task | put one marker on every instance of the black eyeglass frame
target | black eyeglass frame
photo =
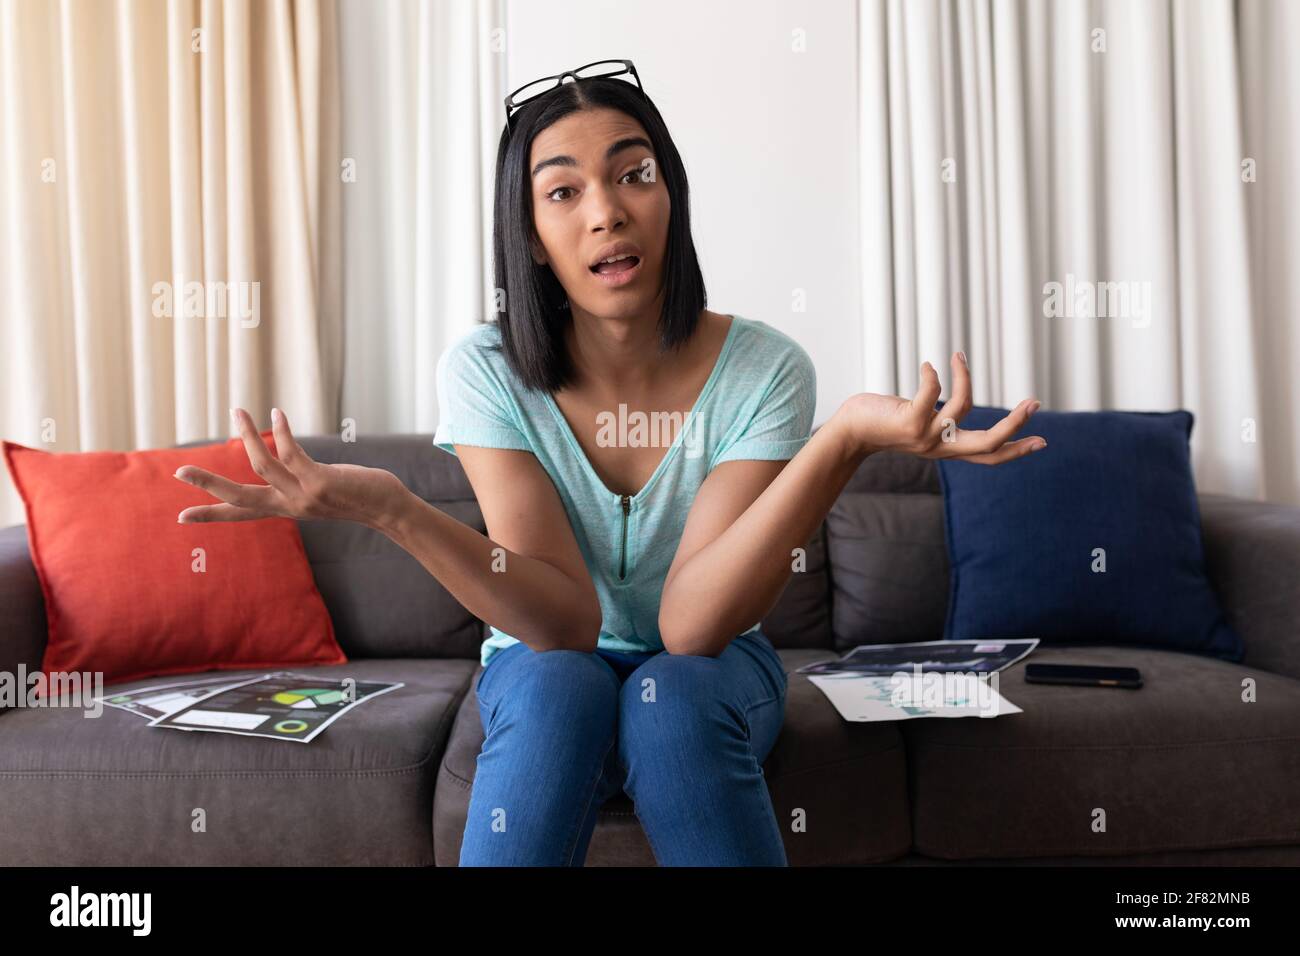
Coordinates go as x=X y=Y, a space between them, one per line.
x=512 y=106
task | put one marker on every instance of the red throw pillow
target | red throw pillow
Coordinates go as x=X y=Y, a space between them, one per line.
x=129 y=592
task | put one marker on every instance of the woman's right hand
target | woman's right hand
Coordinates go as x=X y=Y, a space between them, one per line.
x=297 y=486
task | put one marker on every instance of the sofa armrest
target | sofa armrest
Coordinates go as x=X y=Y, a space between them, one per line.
x=22 y=606
x=1252 y=556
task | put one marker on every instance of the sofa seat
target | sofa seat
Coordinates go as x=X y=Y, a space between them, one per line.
x=847 y=783
x=1181 y=764
x=111 y=790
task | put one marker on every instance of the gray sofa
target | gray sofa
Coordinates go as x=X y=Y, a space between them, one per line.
x=1186 y=772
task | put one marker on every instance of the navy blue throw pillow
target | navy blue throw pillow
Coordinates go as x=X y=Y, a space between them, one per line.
x=1096 y=539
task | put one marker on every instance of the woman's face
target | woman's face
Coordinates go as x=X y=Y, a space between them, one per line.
x=598 y=184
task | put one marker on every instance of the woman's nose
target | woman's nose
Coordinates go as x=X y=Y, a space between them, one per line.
x=607 y=209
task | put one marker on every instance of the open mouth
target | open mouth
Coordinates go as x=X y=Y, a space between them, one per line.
x=617 y=273
x=614 y=268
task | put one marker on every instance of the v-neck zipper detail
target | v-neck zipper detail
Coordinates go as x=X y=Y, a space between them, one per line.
x=622 y=501
x=622 y=556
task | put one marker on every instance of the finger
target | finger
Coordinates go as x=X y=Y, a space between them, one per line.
x=1012 y=449
x=287 y=448
x=264 y=463
x=977 y=441
x=927 y=394
x=243 y=496
x=223 y=512
x=959 y=403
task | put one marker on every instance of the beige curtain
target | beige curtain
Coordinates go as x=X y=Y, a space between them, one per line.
x=169 y=236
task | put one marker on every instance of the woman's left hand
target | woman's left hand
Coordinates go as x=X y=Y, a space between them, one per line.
x=873 y=423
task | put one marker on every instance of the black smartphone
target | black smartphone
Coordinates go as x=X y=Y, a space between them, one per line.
x=1088 y=675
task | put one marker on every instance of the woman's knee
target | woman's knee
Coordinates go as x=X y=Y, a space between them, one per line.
x=683 y=698
x=568 y=687
x=673 y=696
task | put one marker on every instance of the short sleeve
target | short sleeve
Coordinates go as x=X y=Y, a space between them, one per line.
x=473 y=406
x=782 y=422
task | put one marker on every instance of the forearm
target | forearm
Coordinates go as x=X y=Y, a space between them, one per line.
x=524 y=597
x=733 y=582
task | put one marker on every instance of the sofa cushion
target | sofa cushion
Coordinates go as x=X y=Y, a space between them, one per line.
x=847 y=783
x=130 y=593
x=1097 y=538
x=1182 y=763
x=111 y=790
x=801 y=617
x=889 y=568
x=1252 y=555
x=22 y=607
x=384 y=603
x=894 y=472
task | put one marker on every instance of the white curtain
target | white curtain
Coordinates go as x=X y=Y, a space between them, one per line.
x=1147 y=143
x=421 y=115
x=168 y=220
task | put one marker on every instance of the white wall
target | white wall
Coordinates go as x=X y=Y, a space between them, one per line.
x=769 y=138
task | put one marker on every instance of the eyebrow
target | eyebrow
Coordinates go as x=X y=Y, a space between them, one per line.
x=616 y=147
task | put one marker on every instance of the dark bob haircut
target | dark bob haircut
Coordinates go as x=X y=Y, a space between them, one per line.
x=536 y=309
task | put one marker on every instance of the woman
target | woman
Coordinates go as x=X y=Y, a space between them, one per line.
x=621 y=576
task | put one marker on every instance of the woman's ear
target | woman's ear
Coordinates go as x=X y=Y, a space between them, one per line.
x=538 y=252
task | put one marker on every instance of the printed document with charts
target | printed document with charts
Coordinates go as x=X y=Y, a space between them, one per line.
x=281 y=705
x=924 y=679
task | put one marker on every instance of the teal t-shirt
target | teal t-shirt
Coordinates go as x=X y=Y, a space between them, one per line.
x=758 y=403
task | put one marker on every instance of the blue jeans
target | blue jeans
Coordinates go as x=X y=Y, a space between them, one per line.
x=685 y=738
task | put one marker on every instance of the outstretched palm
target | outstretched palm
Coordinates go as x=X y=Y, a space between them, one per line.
x=297 y=486
x=887 y=422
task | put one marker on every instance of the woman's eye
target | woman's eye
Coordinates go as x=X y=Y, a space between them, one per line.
x=636 y=172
